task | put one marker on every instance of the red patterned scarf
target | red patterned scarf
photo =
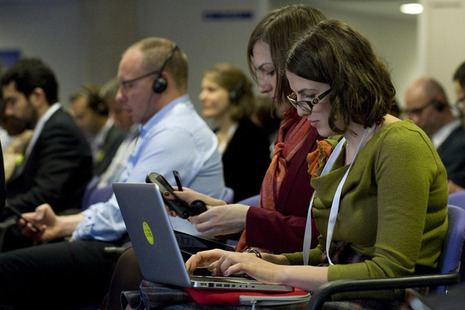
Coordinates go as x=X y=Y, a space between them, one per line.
x=291 y=136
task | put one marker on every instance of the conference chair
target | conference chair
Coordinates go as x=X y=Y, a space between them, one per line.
x=448 y=269
x=457 y=199
x=228 y=195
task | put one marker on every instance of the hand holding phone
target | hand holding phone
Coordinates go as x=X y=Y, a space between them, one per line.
x=177 y=205
x=177 y=177
x=20 y=215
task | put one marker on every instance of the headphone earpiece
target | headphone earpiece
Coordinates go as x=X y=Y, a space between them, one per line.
x=160 y=83
x=438 y=105
x=236 y=92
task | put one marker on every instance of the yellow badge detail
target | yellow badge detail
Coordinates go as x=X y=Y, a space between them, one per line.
x=148 y=232
x=19 y=159
x=100 y=156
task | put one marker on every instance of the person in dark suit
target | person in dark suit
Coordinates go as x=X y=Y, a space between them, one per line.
x=57 y=163
x=428 y=107
x=227 y=98
x=92 y=115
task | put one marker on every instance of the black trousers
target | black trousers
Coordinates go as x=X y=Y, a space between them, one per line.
x=62 y=275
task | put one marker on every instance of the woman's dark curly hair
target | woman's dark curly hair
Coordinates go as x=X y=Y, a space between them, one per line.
x=334 y=53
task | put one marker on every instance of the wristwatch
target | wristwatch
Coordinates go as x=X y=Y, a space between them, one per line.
x=252 y=250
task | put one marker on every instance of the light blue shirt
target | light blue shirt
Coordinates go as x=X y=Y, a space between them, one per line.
x=175 y=138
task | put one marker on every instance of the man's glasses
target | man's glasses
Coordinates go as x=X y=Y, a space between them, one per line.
x=306 y=105
x=125 y=85
x=418 y=111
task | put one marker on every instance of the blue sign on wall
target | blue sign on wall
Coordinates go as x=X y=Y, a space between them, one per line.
x=227 y=15
x=8 y=57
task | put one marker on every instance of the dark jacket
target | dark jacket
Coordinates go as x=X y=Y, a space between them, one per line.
x=55 y=172
x=111 y=144
x=246 y=160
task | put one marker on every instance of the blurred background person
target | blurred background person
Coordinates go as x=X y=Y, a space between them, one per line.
x=428 y=107
x=91 y=114
x=227 y=98
x=99 y=188
x=57 y=162
x=459 y=90
x=125 y=122
x=15 y=138
x=459 y=87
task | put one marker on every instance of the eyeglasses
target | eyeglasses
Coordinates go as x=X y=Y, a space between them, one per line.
x=418 y=111
x=306 y=105
x=126 y=84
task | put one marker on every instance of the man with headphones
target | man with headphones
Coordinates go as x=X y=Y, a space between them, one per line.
x=428 y=107
x=91 y=114
x=172 y=136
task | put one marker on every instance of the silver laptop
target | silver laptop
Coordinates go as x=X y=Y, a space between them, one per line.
x=156 y=246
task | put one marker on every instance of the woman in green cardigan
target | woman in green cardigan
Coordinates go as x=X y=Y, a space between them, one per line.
x=380 y=200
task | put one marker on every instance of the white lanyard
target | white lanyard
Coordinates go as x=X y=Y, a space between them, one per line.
x=229 y=134
x=336 y=198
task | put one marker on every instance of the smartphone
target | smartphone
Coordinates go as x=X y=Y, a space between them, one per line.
x=177 y=177
x=20 y=215
x=177 y=205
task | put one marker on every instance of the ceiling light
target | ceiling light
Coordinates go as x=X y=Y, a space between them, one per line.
x=411 y=8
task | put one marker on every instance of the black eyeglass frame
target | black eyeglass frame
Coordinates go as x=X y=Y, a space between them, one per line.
x=307 y=105
x=419 y=111
x=124 y=84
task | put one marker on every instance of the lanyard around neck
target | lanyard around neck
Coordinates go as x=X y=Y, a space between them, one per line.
x=224 y=143
x=336 y=199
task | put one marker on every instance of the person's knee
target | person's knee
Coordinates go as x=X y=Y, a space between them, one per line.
x=128 y=266
x=126 y=277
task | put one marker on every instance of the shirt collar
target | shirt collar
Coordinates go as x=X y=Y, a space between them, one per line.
x=100 y=137
x=441 y=135
x=157 y=117
x=40 y=125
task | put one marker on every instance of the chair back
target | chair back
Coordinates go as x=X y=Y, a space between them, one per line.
x=251 y=201
x=457 y=199
x=228 y=195
x=448 y=265
x=453 y=243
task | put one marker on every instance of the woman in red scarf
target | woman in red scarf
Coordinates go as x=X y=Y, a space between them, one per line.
x=277 y=225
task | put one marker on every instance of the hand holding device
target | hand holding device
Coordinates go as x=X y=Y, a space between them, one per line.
x=179 y=206
x=20 y=215
x=197 y=206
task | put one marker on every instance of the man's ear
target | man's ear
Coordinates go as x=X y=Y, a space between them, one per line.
x=38 y=98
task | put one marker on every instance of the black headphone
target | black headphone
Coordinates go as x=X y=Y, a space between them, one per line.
x=160 y=83
x=438 y=105
x=236 y=92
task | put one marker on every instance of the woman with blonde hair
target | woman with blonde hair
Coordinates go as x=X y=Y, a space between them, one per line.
x=228 y=99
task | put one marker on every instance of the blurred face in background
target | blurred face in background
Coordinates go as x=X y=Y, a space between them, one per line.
x=20 y=107
x=265 y=69
x=420 y=109
x=119 y=116
x=215 y=100
x=88 y=120
x=460 y=96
